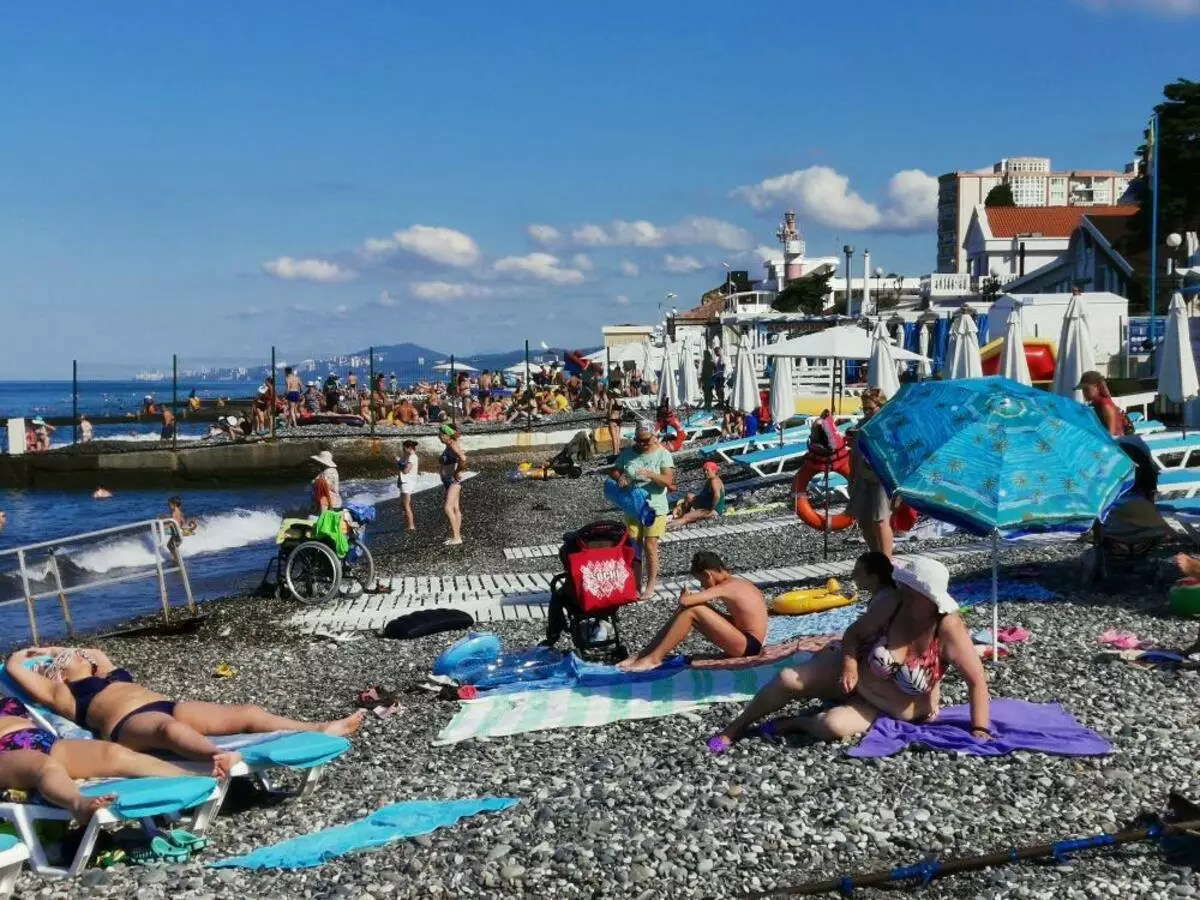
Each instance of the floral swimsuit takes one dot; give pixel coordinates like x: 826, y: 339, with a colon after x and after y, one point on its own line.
x: 37, y: 739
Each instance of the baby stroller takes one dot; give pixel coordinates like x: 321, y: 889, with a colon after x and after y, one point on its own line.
x: 598, y: 581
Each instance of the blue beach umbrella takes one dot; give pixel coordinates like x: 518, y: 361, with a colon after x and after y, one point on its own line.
x: 996, y: 458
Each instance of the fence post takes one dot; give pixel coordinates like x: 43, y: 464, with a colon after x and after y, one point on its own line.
x: 174, y: 401
x: 452, y: 393
x: 274, y: 393
x: 371, y: 388
x: 74, y: 401
x: 528, y: 387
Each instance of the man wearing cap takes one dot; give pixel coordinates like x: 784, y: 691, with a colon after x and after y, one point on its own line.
x: 647, y: 465
x: 326, y: 486
x: 709, y: 502
x: 1096, y: 394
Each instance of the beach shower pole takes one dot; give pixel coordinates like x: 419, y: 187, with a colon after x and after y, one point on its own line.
x: 452, y: 393
x: 174, y: 401
x: 372, y: 388
x: 274, y: 392
x: 74, y: 401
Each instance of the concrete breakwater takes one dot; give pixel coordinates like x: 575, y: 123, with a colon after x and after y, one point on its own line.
x: 358, y: 456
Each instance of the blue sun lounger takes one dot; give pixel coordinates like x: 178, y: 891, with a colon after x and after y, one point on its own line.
x: 1170, y: 449
x: 142, y: 800
x: 13, y: 855
x: 774, y: 459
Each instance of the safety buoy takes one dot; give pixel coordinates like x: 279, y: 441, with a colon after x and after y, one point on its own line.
x: 673, y: 444
x: 804, y: 508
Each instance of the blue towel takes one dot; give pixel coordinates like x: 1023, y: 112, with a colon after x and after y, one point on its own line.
x: 391, y: 823
x: 7, y: 842
x: 140, y: 797
x: 831, y: 621
x: 300, y: 750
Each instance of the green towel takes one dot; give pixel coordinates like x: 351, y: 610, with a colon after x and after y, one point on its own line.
x: 329, y: 527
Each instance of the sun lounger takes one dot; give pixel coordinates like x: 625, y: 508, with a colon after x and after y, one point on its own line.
x: 139, y: 800
x: 13, y: 855
x: 1170, y: 449
x: 1174, y: 484
x: 263, y: 755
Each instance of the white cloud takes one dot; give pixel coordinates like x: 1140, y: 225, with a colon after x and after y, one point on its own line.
x: 1170, y: 8
x: 629, y: 269
x: 546, y: 235
x: 622, y: 300
x: 823, y: 195
x: 441, y: 245
x: 300, y: 307
x: 442, y: 291
x: 541, y: 266
x: 640, y: 233
x: 682, y: 265
x: 386, y: 300
x: 582, y: 262
x: 318, y: 270
x: 340, y: 310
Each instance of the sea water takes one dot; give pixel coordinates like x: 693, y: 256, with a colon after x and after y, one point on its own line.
x: 228, y: 554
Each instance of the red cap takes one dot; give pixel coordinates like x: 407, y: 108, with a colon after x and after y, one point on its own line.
x: 711, y: 468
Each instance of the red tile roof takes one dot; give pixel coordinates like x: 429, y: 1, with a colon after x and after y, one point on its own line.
x: 1050, y: 221
x: 708, y: 311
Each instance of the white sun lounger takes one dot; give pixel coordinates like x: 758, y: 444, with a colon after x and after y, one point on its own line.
x: 26, y: 816
x: 1170, y: 449
x: 13, y: 855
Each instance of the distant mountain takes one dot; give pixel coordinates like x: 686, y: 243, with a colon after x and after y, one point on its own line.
x: 404, y: 353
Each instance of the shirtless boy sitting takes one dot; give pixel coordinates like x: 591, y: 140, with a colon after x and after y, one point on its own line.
x: 739, y: 632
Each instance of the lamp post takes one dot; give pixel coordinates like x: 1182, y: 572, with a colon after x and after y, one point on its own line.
x: 849, y: 251
x: 878, y: 277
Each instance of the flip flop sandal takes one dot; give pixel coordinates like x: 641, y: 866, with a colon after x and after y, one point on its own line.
x: 375, y: 696
x: 386, y: 712
x: 224, y: 670
x: 185, y: 840
x: 159, y: 850
x: 110, y: 858
x: 719, y: 744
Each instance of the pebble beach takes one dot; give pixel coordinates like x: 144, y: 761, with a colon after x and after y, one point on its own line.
x: 640, y: 809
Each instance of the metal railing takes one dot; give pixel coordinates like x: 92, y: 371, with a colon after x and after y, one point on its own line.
x: 158, y: 530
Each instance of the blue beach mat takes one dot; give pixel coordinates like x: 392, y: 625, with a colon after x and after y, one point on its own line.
x: 140, y: 797
x: 384, y: 826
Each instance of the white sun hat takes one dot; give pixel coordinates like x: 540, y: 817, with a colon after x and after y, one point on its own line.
x: 325, y: 458
x: 927, y: 577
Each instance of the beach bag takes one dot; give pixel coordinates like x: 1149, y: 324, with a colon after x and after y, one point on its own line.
x: 425, y: 622
x: 599, y: 560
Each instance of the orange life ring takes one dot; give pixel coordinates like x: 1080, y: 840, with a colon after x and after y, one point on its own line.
x: 804, y: 508
x: 680, y: 437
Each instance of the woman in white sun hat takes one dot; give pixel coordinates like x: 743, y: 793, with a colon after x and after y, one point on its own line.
x: 890, y: 662
x: 327, y: 491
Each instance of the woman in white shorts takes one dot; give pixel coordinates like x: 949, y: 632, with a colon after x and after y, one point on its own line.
x: 409, y: 465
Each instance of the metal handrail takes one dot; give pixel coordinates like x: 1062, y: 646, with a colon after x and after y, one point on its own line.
x: 158, y: 530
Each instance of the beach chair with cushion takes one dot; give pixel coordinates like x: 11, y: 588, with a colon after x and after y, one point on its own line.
x: 773, y: 460
x: 1178, y: 484
x: 263, y: 755
x: 13, y: 855
x: 1170, y: 449
x: 139, y: 800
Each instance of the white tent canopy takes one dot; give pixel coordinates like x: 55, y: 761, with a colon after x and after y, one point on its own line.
x: 1075, y: 350
x: 840, y: 342
x: 690, y: 393
x: 1177, y: 379
x: 881, y: 370
x: 1013, y: 364
x: 965, y: 363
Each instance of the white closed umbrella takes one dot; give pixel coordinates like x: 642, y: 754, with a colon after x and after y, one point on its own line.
x: 745, y: 381
x: 881, y: 370
x: 965, y: 362
x: 690, y: 393
x: 1177, y: 379
x: 668, y: 388
x: 1075, y: 351
x: 1013, y: 364
x: 924, y: 367
x: 783, y: 399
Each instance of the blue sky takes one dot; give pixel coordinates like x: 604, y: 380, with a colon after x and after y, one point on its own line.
x: 214, y: 178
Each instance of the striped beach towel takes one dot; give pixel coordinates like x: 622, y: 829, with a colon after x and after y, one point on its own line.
x: 689, y: 689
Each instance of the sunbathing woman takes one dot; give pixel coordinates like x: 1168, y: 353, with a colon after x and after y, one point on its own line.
x: 34, y: 760
x: 85, y: 686
x: 890, y: 663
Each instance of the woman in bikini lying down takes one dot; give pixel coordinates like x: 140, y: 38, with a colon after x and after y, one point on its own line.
x: 34, y: 760
x: 86, y: 687
x: 890, y: 662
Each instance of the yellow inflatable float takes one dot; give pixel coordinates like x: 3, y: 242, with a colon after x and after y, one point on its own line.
x: 811, y: 600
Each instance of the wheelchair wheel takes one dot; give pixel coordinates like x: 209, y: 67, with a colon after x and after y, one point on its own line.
x: 358, y: 576
x: 313, y: 572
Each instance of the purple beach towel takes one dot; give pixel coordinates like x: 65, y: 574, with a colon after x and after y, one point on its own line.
x: 1016, y: 725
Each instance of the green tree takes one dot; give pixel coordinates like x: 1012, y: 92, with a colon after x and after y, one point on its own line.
x: 807, y: 295
x: 1000, y: 195
x: 1178, y: 164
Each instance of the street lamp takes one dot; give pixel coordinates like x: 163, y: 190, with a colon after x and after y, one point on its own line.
x: 878, y: 277
x: 728, y: 279
x: 849, y: 251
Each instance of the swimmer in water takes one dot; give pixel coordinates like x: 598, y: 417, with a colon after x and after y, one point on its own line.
x: 101, y: 494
